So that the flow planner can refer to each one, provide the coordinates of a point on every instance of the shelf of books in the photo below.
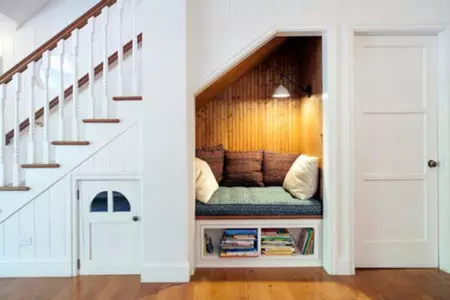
(268, 246)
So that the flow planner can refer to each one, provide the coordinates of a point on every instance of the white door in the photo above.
(110, 227)
(395, 137)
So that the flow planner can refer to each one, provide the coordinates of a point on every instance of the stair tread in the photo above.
(101, 121)
(38, 166)
(14, 188)
(70, 143)
(128, 98)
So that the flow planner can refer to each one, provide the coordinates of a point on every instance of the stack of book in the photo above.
(306, 241)
(239, 243)
(277, 241)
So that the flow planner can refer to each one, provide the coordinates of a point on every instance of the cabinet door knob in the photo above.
(136, 218)
(433, 163)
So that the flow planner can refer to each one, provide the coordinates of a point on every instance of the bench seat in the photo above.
(257, 201)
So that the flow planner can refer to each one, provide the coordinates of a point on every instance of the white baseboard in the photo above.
(161, 272)
(344, 267)
(35, 269)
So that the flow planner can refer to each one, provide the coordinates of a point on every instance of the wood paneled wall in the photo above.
(244, 116)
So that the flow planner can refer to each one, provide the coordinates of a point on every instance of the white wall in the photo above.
(46, 23)
(7, 31)
(220, 30)
(167, 165)
(37, 240)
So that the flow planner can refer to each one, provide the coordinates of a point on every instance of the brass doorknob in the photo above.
(432, 163)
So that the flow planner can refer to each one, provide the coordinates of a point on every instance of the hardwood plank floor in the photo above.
(240, 284)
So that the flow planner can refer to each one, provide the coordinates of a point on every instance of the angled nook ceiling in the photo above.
(21, 10)
(240, 69)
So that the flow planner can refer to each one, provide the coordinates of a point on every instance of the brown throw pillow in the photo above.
(243, 168)
(214, 156)
(275, 167)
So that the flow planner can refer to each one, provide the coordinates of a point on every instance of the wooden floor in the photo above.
(240, 284)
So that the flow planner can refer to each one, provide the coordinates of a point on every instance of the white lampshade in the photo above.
(281, 92)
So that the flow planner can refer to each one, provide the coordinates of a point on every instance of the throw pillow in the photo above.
(275, 167)
(205, 183)
(243, 168)
(301, 180)
(214, 156)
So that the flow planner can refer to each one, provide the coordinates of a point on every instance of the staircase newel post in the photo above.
(16, 145)
(120, 48)
(45, 143)
(91, 25)
(62, 48)
(135, 49)
(75, 112)
(31, 116)
(2, 134)
(105, 105)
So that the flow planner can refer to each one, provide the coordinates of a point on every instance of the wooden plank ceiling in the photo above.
(238, 71)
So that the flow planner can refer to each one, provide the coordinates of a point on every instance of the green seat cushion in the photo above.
(229, 201)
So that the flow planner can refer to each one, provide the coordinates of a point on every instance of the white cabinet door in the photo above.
(396, 135)
(110, 227)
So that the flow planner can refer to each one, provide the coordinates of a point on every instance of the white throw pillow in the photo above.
(205, 182)
(301, 180)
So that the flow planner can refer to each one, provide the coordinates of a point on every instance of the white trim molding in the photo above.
(170, 272)
(36, 269)
(336, 259)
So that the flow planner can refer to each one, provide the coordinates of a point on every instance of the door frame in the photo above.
(76, 214)
(442, 34)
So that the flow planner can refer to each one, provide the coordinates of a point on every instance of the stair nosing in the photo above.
(128, 98)
(40, 166)
(14, 188)
(70, 143)
(101, 120)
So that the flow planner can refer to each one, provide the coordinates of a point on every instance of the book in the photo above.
(302, 239)
(233, 232)
(309, 238)
(238, 253)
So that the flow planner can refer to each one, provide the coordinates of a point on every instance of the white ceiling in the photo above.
(21, 10)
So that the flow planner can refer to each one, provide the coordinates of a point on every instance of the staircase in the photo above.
(100, 51)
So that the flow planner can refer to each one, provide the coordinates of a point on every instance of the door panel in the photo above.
(395, 136)
(109, 236)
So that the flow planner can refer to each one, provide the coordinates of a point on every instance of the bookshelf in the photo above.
(214, 229)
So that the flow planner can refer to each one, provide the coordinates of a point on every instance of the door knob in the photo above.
(136, 218)
(432, 163)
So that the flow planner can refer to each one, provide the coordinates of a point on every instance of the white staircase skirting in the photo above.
(69, 157)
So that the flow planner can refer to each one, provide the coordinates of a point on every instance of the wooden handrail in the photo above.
(68, 92)
(53, 42)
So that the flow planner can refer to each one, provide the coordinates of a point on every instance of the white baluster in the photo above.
(31, 113)
(135, 50)
(75, 41)
(120, 48)
(105, 105)
(91, 26)
(2, 134)
(16, 145)
(62, 49)
(45, 142)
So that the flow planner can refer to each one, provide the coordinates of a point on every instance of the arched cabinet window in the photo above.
(100, 202)
(120, 203)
